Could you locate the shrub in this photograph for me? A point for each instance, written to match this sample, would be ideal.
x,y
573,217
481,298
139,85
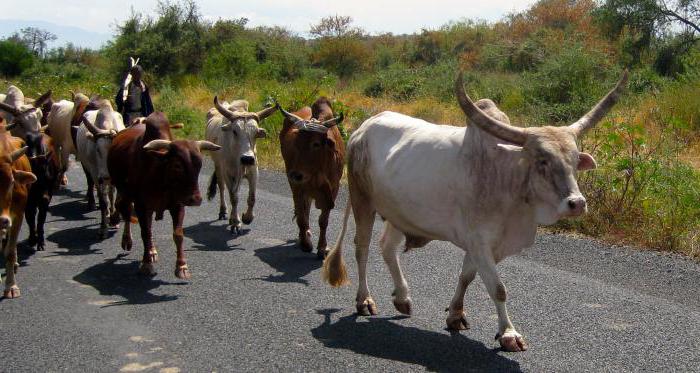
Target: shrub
x,y
14,58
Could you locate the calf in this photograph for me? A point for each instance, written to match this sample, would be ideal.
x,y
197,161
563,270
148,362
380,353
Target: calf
x,y
46,166
155,173
236,130
93,140
313,152
15,177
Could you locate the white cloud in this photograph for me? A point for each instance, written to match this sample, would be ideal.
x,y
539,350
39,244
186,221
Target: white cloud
x,y
397,16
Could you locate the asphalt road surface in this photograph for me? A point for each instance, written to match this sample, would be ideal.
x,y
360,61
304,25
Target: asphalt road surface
x,y
256,303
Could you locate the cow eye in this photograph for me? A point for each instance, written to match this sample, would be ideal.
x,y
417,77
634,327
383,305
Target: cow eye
x,y
543,163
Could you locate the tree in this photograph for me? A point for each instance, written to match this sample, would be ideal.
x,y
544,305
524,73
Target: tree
x,y
335,27
14,58
340,48
37,39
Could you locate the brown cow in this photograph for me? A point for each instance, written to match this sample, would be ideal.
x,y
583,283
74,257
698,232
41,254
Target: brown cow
x,y
15,177
155,173
313,152
46,166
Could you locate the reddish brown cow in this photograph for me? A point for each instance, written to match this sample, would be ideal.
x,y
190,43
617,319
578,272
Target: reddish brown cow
x,y
313,152
155,173
15,177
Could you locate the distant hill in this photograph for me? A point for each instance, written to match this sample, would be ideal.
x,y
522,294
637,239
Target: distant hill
x,y
77,36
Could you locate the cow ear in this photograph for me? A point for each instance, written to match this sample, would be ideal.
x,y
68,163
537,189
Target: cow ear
x,y
23,177
586,162
261,134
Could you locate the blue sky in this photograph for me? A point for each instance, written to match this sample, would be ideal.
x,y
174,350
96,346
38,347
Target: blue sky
x,y
375,16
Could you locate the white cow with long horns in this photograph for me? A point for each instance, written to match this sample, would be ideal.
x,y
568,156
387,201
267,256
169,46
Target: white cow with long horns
x,y
484,187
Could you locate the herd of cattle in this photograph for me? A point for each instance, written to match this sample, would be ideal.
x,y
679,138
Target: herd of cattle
x,y
484,187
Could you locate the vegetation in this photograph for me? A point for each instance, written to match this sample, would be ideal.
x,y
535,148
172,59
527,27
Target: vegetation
x,y
545,66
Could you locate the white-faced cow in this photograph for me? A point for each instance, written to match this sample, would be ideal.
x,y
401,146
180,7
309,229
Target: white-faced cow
x,y
236,130
93,140
484,187
21,116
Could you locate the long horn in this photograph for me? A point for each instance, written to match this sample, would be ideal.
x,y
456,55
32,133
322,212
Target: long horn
x,y
18,153
289,115
94,130
207,145
266,112
594,116
225,112
333,122
492,126
10,109
131,59
42,99
157,145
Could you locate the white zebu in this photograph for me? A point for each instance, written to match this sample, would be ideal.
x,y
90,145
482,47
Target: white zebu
x,y
484,187
93,139
22,117
64,114
236,130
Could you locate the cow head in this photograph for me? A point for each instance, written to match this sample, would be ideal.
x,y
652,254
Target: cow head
x,y
549,154
39,152
313,143
24,117
9,178
244,130
107,124
182,162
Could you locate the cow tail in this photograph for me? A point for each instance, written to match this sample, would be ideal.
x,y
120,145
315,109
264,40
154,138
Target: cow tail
x,y
211,192
334,271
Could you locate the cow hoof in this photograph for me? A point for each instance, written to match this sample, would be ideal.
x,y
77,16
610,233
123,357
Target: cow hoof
x,y
92,206
40,246
403,306
305,242
182,272
457,321
322,252
127,243
114,220
222,215
512,341
102,233
247,218
134,219
236,230
366,307
147,269
64,180
31,241
153,255
12,292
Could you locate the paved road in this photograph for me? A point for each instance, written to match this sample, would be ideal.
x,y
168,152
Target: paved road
x,y
256,303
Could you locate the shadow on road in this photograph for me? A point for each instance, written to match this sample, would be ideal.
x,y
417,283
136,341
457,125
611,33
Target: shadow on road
x,y
118,276
289,260
382,338
78,240
71,210
210,237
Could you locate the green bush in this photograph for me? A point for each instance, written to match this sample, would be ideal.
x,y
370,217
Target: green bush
x,y
15,58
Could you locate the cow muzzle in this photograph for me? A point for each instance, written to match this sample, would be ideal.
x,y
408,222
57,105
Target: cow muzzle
x,y
195,200
573,206
5,223
247,160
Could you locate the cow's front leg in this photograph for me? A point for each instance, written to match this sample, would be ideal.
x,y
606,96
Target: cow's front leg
x,y
252,177
507,336
456,318
11,266
322,248
302,205
222,196
43,210
113,213
30,216
234,220
150,254
90,193
389,243
102,198
178,216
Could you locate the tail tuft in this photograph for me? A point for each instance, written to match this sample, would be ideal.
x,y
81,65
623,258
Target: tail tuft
x,y
334,271
211,192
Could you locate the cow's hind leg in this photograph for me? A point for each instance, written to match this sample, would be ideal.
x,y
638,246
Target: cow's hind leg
x,y
124,207
90,189
104,208
252,176
178,216
41,220
364,214
150,254
389,243
507,336
113,213
456,318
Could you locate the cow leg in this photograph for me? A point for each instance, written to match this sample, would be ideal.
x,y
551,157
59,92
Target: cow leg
x,y
43,210
150,254
234,220
322,248
11,265
102,197
302,207
252,176
178,215
222,196
124,207
389,243
90,190
113,214
507,336
30,216
364,222
456,318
